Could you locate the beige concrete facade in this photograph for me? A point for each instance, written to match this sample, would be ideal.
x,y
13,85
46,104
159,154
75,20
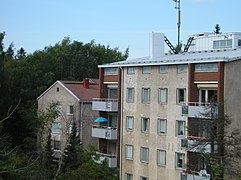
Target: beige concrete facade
x,y
168,142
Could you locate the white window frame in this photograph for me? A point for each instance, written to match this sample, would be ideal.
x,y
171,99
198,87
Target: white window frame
x,y
144,152
129,176
146,70
129,152
70,110
161,157
181,68
163,70
162,98
180,128
145,125
145,95
130,94
56,128
111,71
130,70
179,99
162,126
180,160
129,123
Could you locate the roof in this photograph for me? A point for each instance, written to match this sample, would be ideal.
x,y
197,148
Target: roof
x,y
182,58
76,89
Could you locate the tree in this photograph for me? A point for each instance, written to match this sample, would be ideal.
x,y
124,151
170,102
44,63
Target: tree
x,y
217,29
20,54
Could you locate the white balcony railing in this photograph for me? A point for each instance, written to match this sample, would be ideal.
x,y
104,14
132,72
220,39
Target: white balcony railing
x,y
202,175
104,132
109,105
199,110
110,158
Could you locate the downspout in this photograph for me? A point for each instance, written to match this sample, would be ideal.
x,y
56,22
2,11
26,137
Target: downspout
x,y
121,117
81,122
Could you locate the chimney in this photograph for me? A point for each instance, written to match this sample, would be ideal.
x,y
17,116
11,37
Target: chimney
x,y
86,83
156,45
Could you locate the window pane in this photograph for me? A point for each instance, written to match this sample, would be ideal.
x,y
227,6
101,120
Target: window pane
x,y
129,176
56,145
145,125
130,95
56,128
162,123
180,160
161,157
210,67
130,70
181,68
130,123
129,152
163,69
144,154
112,93
146,70
111,71
181,96
162,95
146,95
180,128
70,110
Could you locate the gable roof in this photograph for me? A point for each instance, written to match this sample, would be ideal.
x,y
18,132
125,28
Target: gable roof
x,y
77,90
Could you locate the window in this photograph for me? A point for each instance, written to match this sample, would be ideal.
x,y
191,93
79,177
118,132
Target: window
x,y
111,71
70,127
239,42
129,152
70,110
57,89
130,70
112,93
161,157
180,159
144,154
56,145
56,128
181,68
129,123
208,95
162,95
162,126
130,95
129,176
163,69
227,43
145,125
58,109
210,67
180,128
146,69
144,178
181,96
146,95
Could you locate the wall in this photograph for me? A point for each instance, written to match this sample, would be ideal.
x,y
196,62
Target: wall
x,y
154,141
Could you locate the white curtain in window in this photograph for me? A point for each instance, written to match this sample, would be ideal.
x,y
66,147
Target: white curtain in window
x,y
161,155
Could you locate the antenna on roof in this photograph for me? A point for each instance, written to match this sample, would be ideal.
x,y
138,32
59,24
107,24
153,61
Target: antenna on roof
x,y
178,7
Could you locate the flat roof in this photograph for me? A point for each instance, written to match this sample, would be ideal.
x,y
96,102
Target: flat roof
x,y
182,58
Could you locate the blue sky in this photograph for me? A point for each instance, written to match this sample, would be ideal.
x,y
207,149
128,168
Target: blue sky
x,y
35,24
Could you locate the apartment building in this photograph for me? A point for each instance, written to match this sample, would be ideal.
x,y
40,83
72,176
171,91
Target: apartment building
x,y
161,101
73,101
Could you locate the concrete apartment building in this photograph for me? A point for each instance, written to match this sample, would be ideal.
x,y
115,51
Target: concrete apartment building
x,y
74,103
157,104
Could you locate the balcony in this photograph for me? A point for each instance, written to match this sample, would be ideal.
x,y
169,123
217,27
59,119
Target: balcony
x,y
110,158
199,110
190,175
104,132
109,105
197,145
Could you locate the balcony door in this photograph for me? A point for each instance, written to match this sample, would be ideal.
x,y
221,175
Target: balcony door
x,y
112,120
112,91
208,95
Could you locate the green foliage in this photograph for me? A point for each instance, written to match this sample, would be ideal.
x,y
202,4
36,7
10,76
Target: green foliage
x,y
216,170
217,29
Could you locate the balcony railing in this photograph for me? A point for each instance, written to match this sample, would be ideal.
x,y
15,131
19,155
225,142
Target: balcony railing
x,y
109,105
104,132
190,175
110,158
200,110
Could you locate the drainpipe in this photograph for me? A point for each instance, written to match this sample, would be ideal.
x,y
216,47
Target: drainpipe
x,y
121,117
81,122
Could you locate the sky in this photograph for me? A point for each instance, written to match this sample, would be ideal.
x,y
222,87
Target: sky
x,y
35,24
